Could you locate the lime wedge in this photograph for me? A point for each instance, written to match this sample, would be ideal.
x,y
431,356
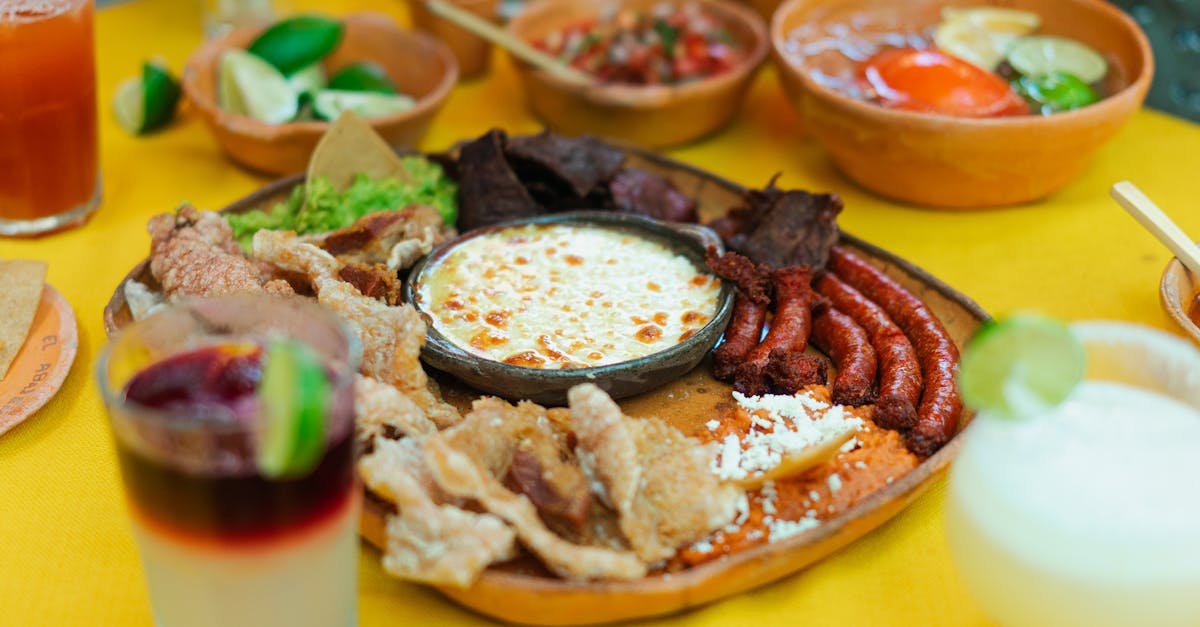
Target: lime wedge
x,y
1021,366
247,85
982,35
1042,55
144,104
362,76
310,80
330,103
296,43
293,397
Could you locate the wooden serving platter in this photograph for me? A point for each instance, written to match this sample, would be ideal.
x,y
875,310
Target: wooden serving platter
x,y
521,591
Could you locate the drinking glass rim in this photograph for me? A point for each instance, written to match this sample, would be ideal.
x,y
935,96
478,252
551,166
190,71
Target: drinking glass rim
x,y
172,420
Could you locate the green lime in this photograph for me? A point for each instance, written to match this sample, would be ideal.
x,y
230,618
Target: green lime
x,y
298,42
144,104
1042,55
294,398
330,103
362,76
1021,366
310,80
1056,92
247,85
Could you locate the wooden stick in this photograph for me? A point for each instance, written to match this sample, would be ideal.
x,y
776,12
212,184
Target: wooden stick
x,y
520,49
1154,220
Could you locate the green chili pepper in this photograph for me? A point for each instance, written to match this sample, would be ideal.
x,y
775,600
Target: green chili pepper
x,y
1055,92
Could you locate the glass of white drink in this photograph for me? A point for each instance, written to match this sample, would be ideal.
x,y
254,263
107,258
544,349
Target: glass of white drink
x,y
1078,502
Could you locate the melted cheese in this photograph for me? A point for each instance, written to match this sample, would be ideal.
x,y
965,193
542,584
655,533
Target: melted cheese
x,y
566,296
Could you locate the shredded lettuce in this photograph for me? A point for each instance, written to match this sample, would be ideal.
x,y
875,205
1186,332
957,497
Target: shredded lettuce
x,y
329,209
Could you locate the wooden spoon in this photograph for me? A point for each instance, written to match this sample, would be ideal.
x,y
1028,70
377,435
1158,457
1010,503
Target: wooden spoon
x,y
518,47
1154,220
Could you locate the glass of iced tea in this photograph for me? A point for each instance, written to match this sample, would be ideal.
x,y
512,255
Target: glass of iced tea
x,y
234,424
49,174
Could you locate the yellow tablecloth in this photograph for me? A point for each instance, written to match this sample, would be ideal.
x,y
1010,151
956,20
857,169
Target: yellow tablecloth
x,y
66,555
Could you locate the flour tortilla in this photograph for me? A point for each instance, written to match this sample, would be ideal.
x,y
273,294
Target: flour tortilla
x,y
21,285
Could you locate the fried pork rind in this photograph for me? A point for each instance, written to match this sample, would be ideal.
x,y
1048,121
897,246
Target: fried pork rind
x,y
193,253
391,336
438,544
396,239
526,448
657,480
456,473
384,411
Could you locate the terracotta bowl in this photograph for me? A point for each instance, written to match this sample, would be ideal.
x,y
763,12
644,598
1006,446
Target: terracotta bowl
x,y
650,116
419,65
1176,291
963,163
620,380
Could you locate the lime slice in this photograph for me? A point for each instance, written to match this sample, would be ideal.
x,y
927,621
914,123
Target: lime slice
x,y
247,85
144,104
1041,55
293,397
296,43
1021,366
982,35
330,103
362,76
310,80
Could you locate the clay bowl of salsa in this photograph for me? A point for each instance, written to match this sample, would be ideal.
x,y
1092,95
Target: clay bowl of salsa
x,y
683,71
1179,292
419,65
531,308
1006,157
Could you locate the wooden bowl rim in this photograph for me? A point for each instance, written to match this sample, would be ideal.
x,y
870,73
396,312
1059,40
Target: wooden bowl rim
x,y
246,125
909,484
1109,106
650,96
1175,309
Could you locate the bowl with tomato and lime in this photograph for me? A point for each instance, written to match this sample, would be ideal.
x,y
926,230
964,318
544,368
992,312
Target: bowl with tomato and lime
x,y
961,104
657,73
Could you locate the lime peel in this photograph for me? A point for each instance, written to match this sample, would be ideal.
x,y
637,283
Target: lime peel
x,y
293,401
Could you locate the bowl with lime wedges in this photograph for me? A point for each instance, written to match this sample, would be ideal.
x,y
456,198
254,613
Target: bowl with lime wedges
x,y
269,94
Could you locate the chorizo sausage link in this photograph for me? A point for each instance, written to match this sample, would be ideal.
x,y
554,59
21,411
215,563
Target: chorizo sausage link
x,y
847,344
741,336
899,370
941,406
792,323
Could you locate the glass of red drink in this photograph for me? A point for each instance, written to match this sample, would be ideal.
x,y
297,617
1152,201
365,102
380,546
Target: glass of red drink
x,y
234,424
49,173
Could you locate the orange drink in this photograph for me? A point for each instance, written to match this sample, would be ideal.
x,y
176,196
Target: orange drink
x,y
48,153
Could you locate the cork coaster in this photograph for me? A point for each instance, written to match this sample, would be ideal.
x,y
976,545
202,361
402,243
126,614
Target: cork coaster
x,y
43,362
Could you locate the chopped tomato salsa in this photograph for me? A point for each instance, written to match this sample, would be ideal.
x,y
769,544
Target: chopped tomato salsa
x,y
666,46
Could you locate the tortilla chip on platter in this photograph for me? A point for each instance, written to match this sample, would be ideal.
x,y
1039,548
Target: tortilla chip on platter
x,y
572,496
21,284
351,148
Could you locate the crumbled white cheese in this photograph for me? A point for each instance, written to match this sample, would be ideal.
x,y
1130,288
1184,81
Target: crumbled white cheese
x,y
835,483
791,424
860,464
743,509
712,425
814,495
850,445
703,546
768,497
889,480
781,529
